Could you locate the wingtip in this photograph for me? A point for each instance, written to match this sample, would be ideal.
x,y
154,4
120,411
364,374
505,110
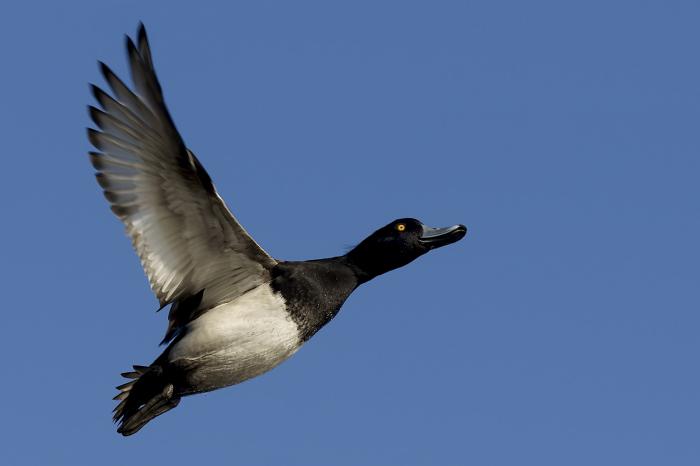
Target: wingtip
x,y
130,46
94,112
106,71
133,53
95,90
94,137
141,34
143,45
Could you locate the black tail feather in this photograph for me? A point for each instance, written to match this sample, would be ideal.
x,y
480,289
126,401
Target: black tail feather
x,y
148,394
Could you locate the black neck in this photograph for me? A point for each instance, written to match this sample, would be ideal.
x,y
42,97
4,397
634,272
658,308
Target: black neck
x,y
362,273
314,290
368,262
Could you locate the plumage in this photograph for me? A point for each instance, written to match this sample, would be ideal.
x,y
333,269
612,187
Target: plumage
x,y
235,312
181,229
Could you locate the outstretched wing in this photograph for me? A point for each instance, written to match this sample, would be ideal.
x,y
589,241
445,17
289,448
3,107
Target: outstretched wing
x,y
184,234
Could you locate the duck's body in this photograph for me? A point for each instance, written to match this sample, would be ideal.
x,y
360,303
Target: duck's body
x,y
255,332
235,312
233,342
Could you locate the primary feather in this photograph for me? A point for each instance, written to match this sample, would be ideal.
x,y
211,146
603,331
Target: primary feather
x,y
181,229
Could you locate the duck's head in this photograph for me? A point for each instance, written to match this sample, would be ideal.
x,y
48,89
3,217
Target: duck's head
x,y
397,244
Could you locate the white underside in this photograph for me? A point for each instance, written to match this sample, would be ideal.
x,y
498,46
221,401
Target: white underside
x,y
236,341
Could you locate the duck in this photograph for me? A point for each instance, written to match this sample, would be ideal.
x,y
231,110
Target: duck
x,y
235,312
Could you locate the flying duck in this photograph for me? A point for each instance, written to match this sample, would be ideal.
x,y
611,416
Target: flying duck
x,y
235,312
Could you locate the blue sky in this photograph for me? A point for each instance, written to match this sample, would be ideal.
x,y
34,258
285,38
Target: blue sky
x,y
562,330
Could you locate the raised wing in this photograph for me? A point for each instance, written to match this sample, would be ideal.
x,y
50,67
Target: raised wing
x,y
184,234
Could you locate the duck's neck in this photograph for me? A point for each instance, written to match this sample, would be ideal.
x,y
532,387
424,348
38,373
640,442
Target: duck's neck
x,y
362,273
368,262
314,290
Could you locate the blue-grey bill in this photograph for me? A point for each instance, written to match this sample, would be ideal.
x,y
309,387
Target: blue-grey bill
x,y
437,237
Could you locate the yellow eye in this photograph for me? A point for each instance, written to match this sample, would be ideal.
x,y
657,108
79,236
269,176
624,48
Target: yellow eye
x,y
401,227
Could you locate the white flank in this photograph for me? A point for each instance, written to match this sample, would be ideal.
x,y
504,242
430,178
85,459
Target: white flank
x,y
237,340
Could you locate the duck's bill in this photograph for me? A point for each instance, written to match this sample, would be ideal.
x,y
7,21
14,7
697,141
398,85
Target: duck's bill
x,y
437,237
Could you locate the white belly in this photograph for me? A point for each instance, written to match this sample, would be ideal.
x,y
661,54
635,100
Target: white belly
x,y
235,341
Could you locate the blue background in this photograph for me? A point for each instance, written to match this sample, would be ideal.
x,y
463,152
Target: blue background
x,y
563,330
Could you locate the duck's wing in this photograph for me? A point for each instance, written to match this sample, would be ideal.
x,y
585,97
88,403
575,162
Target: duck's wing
x,y
184,234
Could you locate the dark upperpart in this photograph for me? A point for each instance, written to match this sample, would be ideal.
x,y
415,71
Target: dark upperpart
x,y
315,290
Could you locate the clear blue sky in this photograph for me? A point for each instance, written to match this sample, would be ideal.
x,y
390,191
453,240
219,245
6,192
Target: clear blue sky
x,y
562,331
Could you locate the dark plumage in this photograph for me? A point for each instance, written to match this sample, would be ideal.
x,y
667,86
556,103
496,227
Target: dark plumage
x,y
235,312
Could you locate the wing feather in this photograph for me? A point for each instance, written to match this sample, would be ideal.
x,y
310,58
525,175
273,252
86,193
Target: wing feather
x,y
185,236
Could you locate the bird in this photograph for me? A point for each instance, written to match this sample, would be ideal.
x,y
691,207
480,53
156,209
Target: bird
x,y
235,312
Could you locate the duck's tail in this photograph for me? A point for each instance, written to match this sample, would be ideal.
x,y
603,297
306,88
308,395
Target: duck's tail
x,y
147,395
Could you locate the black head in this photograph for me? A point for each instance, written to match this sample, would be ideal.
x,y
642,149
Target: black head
x,y
397,244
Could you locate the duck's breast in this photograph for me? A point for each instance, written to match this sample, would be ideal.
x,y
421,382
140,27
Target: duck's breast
x,y
235,341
